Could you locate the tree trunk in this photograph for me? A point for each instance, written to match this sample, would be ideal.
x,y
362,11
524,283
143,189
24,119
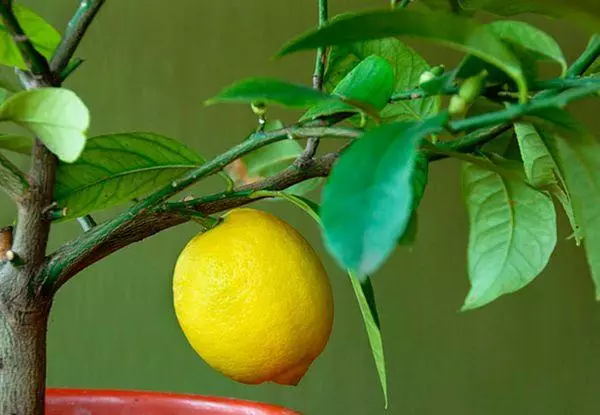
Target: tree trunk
x,y
23,359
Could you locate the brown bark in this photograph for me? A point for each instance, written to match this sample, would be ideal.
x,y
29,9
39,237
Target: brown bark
x,y
23,328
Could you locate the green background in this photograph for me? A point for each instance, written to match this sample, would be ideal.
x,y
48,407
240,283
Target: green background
x,y
149,65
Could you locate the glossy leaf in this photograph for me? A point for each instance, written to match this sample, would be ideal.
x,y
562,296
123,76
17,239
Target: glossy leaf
x,y
542,170
366,302
116,168
370,83
369,198
270,91
586,12
365,296
512,234
406,64
531,38
16,143
57,116
577,155
409,236
43,36
461,33
537,161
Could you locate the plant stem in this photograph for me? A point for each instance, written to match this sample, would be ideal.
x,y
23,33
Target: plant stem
x,y
517,111
12,180
555,84
467,143
75,31
34,61
318,77
587,58
321,59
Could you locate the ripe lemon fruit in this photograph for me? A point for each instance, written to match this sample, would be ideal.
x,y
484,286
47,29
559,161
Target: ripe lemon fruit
x,y
253,298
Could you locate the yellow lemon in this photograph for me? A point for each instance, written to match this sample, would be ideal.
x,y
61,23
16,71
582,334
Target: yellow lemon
x,y
253,299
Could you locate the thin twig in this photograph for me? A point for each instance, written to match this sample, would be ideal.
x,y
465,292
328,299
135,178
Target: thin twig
x,y
76,29
34,61
497,90
465,144
318,78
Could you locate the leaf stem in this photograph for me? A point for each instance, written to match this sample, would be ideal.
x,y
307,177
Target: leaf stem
x,y
34,61
76,28
587,58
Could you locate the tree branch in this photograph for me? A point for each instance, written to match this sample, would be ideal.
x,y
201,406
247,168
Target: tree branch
x,y
34,61
103,240
12,180
76,29
31,233
33,226
318,77
497,91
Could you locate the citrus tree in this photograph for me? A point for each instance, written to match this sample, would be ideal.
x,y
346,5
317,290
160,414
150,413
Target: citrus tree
x,y
524,155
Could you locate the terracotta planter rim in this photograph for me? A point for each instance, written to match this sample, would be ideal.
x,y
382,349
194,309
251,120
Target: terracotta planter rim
x,y
94,399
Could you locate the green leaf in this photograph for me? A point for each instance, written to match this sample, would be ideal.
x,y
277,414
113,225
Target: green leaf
x,y
584,12
371,82
366,302
368,199
410,233
512,234
270,91
420,178
578,158
116,168
538,163
42,35
56,115
406,64
460,33
270,160
542,170
530,38
16,143
364,294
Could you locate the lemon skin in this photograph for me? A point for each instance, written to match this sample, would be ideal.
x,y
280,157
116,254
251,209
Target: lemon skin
x,y
253,299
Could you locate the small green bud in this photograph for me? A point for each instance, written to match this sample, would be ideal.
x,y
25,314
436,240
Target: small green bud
x,y
457,105
426,77
259,108
438,70
471,87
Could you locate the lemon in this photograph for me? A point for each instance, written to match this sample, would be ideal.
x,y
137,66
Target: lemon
x,y
253,299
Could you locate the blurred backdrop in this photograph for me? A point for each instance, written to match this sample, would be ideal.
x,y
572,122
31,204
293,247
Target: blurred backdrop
x,y
149,66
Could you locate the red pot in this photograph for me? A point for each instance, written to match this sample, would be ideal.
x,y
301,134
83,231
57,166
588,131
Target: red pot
x,y
109,402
